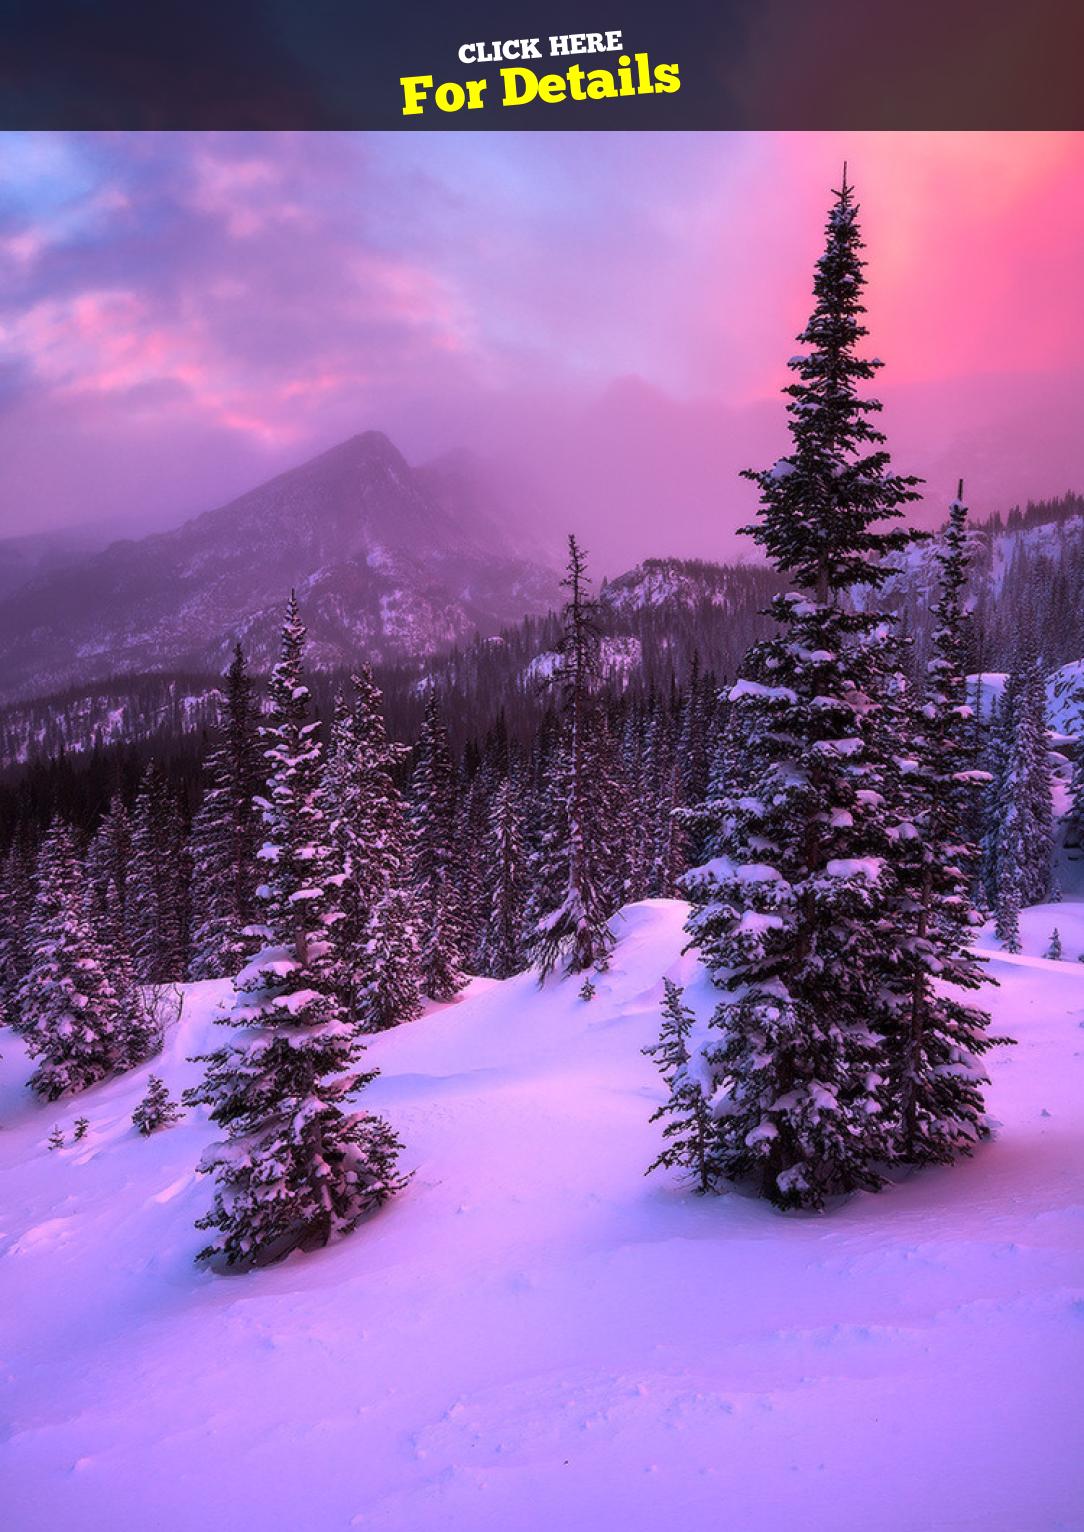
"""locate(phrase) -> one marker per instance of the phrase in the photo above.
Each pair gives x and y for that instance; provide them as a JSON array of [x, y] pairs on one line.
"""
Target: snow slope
[[536, 1336]]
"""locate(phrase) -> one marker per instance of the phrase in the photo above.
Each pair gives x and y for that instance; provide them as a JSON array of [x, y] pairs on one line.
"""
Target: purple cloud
[[607, 315]]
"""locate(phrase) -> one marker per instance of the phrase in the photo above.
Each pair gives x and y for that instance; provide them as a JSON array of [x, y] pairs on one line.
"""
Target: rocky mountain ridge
[[388, 560]]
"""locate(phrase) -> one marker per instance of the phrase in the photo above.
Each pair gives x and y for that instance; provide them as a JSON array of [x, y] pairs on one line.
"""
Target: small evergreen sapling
[[587, 989], [689, 1131], [56, 1138], [81, 1126], [1055, 949], [157, 1109]]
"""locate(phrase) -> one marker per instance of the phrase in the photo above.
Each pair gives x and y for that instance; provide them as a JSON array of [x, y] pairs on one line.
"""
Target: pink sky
[[607, 315]]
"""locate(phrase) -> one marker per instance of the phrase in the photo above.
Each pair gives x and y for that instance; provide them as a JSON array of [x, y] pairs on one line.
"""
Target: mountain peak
[[370, 446], [392, 562]]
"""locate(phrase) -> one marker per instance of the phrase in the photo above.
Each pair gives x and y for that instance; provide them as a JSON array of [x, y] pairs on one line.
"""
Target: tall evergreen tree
[[664, 796], [391, 992], [295, 1168], [108, 860], [374, 940], [937, 1076], [505, 861], [435, 894], [71, 1014], [1019, 846], [141, 1008], [791, 917], [472, 821], [156, 890], [224, 835], [573, 931], [693, 756], [1074, 829], [1008, 905], [106, 868], [17, 875]]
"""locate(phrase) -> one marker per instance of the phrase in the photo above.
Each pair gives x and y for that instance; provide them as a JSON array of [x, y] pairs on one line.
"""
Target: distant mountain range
[[389, 562], [413, 570]]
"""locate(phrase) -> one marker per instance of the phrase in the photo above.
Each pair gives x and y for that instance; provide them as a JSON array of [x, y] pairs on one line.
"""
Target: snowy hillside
[[536, 1336], [1064, 697]]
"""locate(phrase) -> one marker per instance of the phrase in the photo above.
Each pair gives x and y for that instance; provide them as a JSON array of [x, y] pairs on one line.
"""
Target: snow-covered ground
[[535, 1336]]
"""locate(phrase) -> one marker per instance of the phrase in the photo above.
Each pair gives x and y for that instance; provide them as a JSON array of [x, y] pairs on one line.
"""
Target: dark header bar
[[733, 64]]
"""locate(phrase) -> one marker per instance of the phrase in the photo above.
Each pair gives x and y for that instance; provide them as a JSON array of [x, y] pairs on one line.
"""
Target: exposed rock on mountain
[[388, 561]]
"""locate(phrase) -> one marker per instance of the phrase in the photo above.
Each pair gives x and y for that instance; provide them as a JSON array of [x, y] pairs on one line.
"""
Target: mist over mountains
[[417, 569], [388, 561]]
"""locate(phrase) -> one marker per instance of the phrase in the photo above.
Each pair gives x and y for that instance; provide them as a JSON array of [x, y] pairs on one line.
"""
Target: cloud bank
[[606, 316]]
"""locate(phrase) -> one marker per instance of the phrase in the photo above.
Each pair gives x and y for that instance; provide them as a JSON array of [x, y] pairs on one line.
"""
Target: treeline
[[70, 751]]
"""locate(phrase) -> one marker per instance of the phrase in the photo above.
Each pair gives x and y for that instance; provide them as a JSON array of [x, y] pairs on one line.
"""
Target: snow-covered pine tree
[[473, 802], [693, 759], [637, 829], [108, 858], [1036, 777], [506, 883], [374, 942], [995, 757], [225, 835], [56, 1137], [1009, 902], [433, 816], [546, 824], [704, 823], [663, 798], [791, 917], [156, 891], [157, 1108], [17, 875], [689, 1135], [1054, 951], [140, 1006], [1019, 845], [295, 1169], [572, 930], [616, 811], [106, 869], [936, 1073], [391, 992], [71, 1015], [1074, 822]]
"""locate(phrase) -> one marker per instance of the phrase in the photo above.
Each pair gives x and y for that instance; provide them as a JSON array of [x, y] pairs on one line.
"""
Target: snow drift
[[534, 1335]]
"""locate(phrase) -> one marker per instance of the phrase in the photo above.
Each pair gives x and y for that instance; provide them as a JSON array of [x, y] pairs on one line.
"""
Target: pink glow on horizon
[[183, 315]]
